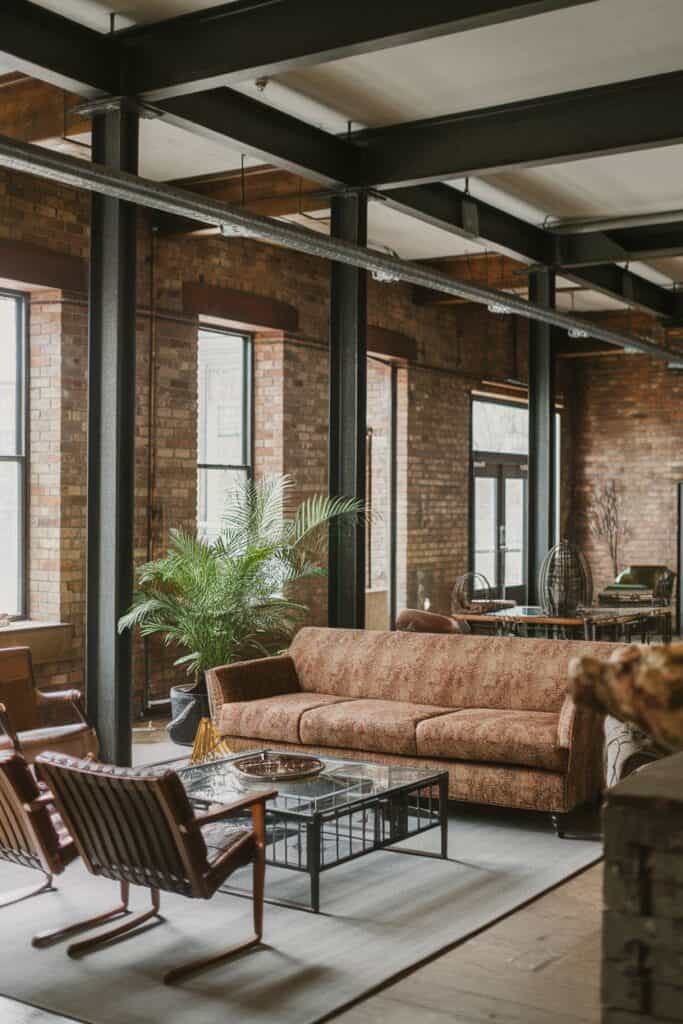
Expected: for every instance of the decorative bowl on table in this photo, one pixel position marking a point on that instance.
(268, 767)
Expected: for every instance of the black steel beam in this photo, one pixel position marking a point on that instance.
(290, 143)
(637, 114)
(644, 242)
(348, 392)
(55, 49)
(453, 210)
(111, 440)
(541, 495)
(226, 116)
(254, 38)
(621, 284)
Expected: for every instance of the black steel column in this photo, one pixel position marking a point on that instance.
(111, 438)
(348, 387)
(541, 483)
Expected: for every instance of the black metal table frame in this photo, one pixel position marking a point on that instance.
(394, 799)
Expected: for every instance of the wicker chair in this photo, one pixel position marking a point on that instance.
(30, 834)
(20, 719)
(140, 829)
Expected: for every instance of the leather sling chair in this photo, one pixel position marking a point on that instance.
(139, 829)
(31, 834)
(413, 620)
(20, 721)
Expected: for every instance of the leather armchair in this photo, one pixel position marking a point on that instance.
(138, 827)
(31, 833)
(20, 717)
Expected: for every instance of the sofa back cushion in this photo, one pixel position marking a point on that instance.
(449, 671)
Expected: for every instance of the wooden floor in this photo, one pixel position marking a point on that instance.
(538, 966)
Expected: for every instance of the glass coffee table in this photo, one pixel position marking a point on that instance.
(350, 809)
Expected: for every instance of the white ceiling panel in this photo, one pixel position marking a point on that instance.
(646, 181)
(607, 41)
(95, 13)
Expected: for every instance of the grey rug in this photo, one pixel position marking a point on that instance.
(381, 915)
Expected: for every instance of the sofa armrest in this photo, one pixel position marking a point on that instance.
(250, 680)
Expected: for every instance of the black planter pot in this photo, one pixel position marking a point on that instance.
(188, 707)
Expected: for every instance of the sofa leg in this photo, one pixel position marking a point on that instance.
(559, 823)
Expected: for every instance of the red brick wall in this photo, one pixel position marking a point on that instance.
(629, 428)
(457, 347)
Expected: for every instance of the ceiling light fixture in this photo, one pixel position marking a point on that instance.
(385, 276)
(237, 231)
(577, 332)
(499, 308)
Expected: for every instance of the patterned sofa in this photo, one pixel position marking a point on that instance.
(494, 711)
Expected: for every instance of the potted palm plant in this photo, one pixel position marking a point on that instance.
(229, 599)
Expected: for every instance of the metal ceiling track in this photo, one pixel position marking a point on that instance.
(58, 167)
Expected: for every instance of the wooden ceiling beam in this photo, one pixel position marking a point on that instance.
(490, 270)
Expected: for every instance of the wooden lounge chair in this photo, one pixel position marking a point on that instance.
(140, 829)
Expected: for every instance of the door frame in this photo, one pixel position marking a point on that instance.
(501, 467)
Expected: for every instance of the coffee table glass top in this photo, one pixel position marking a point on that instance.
(341, 784)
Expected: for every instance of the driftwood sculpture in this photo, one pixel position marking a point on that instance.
(640, 685)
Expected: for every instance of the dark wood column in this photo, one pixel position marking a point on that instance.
(348, 386)
(542, 441)
(111, 437)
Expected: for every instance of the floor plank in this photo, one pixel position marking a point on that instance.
(541, 965)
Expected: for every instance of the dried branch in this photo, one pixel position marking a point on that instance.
(606, 523)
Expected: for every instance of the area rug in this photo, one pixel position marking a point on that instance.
(381, 915)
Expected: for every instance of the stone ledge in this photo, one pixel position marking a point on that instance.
(49, 641)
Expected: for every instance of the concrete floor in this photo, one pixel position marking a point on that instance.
(540, 965)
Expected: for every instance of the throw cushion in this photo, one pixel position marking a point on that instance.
(508, 737)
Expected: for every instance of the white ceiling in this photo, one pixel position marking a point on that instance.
(589, 45)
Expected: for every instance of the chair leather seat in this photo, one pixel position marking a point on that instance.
(385, 726)
(528, 738)
(77, 740)
(272, 718)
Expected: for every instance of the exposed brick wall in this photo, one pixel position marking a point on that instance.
(458, 346)
(629, 428)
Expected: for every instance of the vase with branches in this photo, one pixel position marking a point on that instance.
(606, 521)
(229, 599)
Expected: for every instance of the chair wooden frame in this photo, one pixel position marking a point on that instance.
(28, 836)
(168, 852)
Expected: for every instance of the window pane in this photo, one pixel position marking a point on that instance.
(9, 441)
(221, 398)
(514, 532)
(500, 428)
(214, 487)
(485, 541)
(10, 535)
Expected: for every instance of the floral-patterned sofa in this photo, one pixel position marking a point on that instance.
(493, 711)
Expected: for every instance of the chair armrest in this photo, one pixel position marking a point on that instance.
(251, 680)
(229, 809)
(6, 726)
(72, 697)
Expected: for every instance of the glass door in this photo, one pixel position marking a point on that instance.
(499, 518)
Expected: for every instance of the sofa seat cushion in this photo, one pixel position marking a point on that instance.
(387, 726)
(272, 718)
(527, 738)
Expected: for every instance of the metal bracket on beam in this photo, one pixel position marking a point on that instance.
(470, 217)
(109, 104)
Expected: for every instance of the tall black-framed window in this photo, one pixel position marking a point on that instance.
(13, 475)
(224, 422)
(498, 533)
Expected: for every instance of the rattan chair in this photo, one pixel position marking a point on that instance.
(140, 829)
(20, 719)
(31, 835)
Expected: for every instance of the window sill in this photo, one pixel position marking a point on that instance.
(49, 641)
